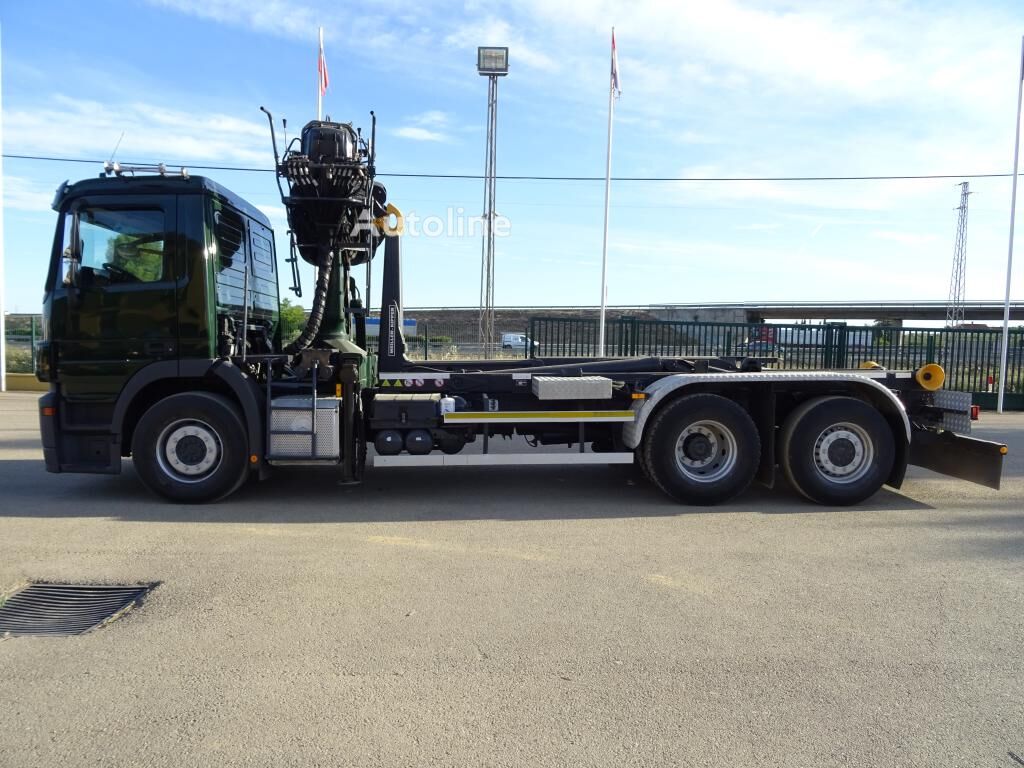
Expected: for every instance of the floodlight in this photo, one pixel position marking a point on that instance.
(492, 61)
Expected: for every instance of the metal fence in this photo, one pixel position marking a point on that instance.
(431, 341)
(435, 340)
(23, 335)
(970, 356)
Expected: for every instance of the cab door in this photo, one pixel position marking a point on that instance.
(114, 302)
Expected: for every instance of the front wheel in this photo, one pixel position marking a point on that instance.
(836, 450)
(191, 447)
(701, 449)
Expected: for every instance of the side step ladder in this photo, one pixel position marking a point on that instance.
(300, 445)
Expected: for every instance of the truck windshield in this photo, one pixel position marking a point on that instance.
(122, 245)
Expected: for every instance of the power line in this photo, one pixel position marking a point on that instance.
(473, 176)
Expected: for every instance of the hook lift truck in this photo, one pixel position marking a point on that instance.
(162, 342)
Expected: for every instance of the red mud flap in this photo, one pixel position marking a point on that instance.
(965, 458)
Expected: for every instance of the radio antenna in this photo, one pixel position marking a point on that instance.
(116, 146)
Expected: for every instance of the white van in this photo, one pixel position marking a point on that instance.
(517, 341)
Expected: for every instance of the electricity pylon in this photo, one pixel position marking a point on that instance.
(955, 305)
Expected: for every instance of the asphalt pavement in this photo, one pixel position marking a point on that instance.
(538, 616)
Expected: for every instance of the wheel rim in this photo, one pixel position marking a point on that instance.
(189, 450)
(843, 453)
(706, 451)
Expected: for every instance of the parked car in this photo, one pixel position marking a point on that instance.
(517, 341)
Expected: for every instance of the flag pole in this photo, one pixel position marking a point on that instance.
(3, 282)
(607, 198)
(320, 77)
(1009, 258)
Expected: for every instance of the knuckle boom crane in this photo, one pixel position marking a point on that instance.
(163, 343)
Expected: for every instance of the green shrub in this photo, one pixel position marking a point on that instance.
(19, 360)
(293, 320)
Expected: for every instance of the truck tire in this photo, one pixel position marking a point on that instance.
(191, 448)
(836, 450)
(702, 449)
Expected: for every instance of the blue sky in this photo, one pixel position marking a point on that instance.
(729, 88)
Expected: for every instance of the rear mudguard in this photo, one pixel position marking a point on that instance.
(965, 458)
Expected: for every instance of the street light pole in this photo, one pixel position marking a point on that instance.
(492, 63)
(1009, 258)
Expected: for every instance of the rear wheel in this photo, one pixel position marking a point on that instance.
(701, 449)
(836, 450)
(191, 447)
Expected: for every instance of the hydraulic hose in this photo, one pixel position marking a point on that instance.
(316, 314)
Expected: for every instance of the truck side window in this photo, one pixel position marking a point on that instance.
(68, 254)
(121, 245)
(229, 229)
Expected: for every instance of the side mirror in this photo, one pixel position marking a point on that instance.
(72, 266)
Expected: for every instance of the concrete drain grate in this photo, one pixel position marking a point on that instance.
(66, 609)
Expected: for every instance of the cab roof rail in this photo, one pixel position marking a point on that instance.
(117, 169)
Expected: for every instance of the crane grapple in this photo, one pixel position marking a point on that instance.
(333, 204)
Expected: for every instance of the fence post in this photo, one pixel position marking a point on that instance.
(426, 343)
(841, 343)
(929, 352)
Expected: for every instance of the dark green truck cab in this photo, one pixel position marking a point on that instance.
(155, 283)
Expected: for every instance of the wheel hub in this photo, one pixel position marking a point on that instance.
(697, 447)
(191, 450)
(706, 451)
(188, 450)
(843, 453)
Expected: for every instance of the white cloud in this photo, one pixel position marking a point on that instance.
(492, 31)
(23, 194)
(419, 134)
(283, 18)
(432, 118)
(151, 133)
(432, 125)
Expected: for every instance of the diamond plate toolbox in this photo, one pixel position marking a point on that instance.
(957, 410)
(572, 387)
(291, 421)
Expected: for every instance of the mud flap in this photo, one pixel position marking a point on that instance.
(965, 458)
